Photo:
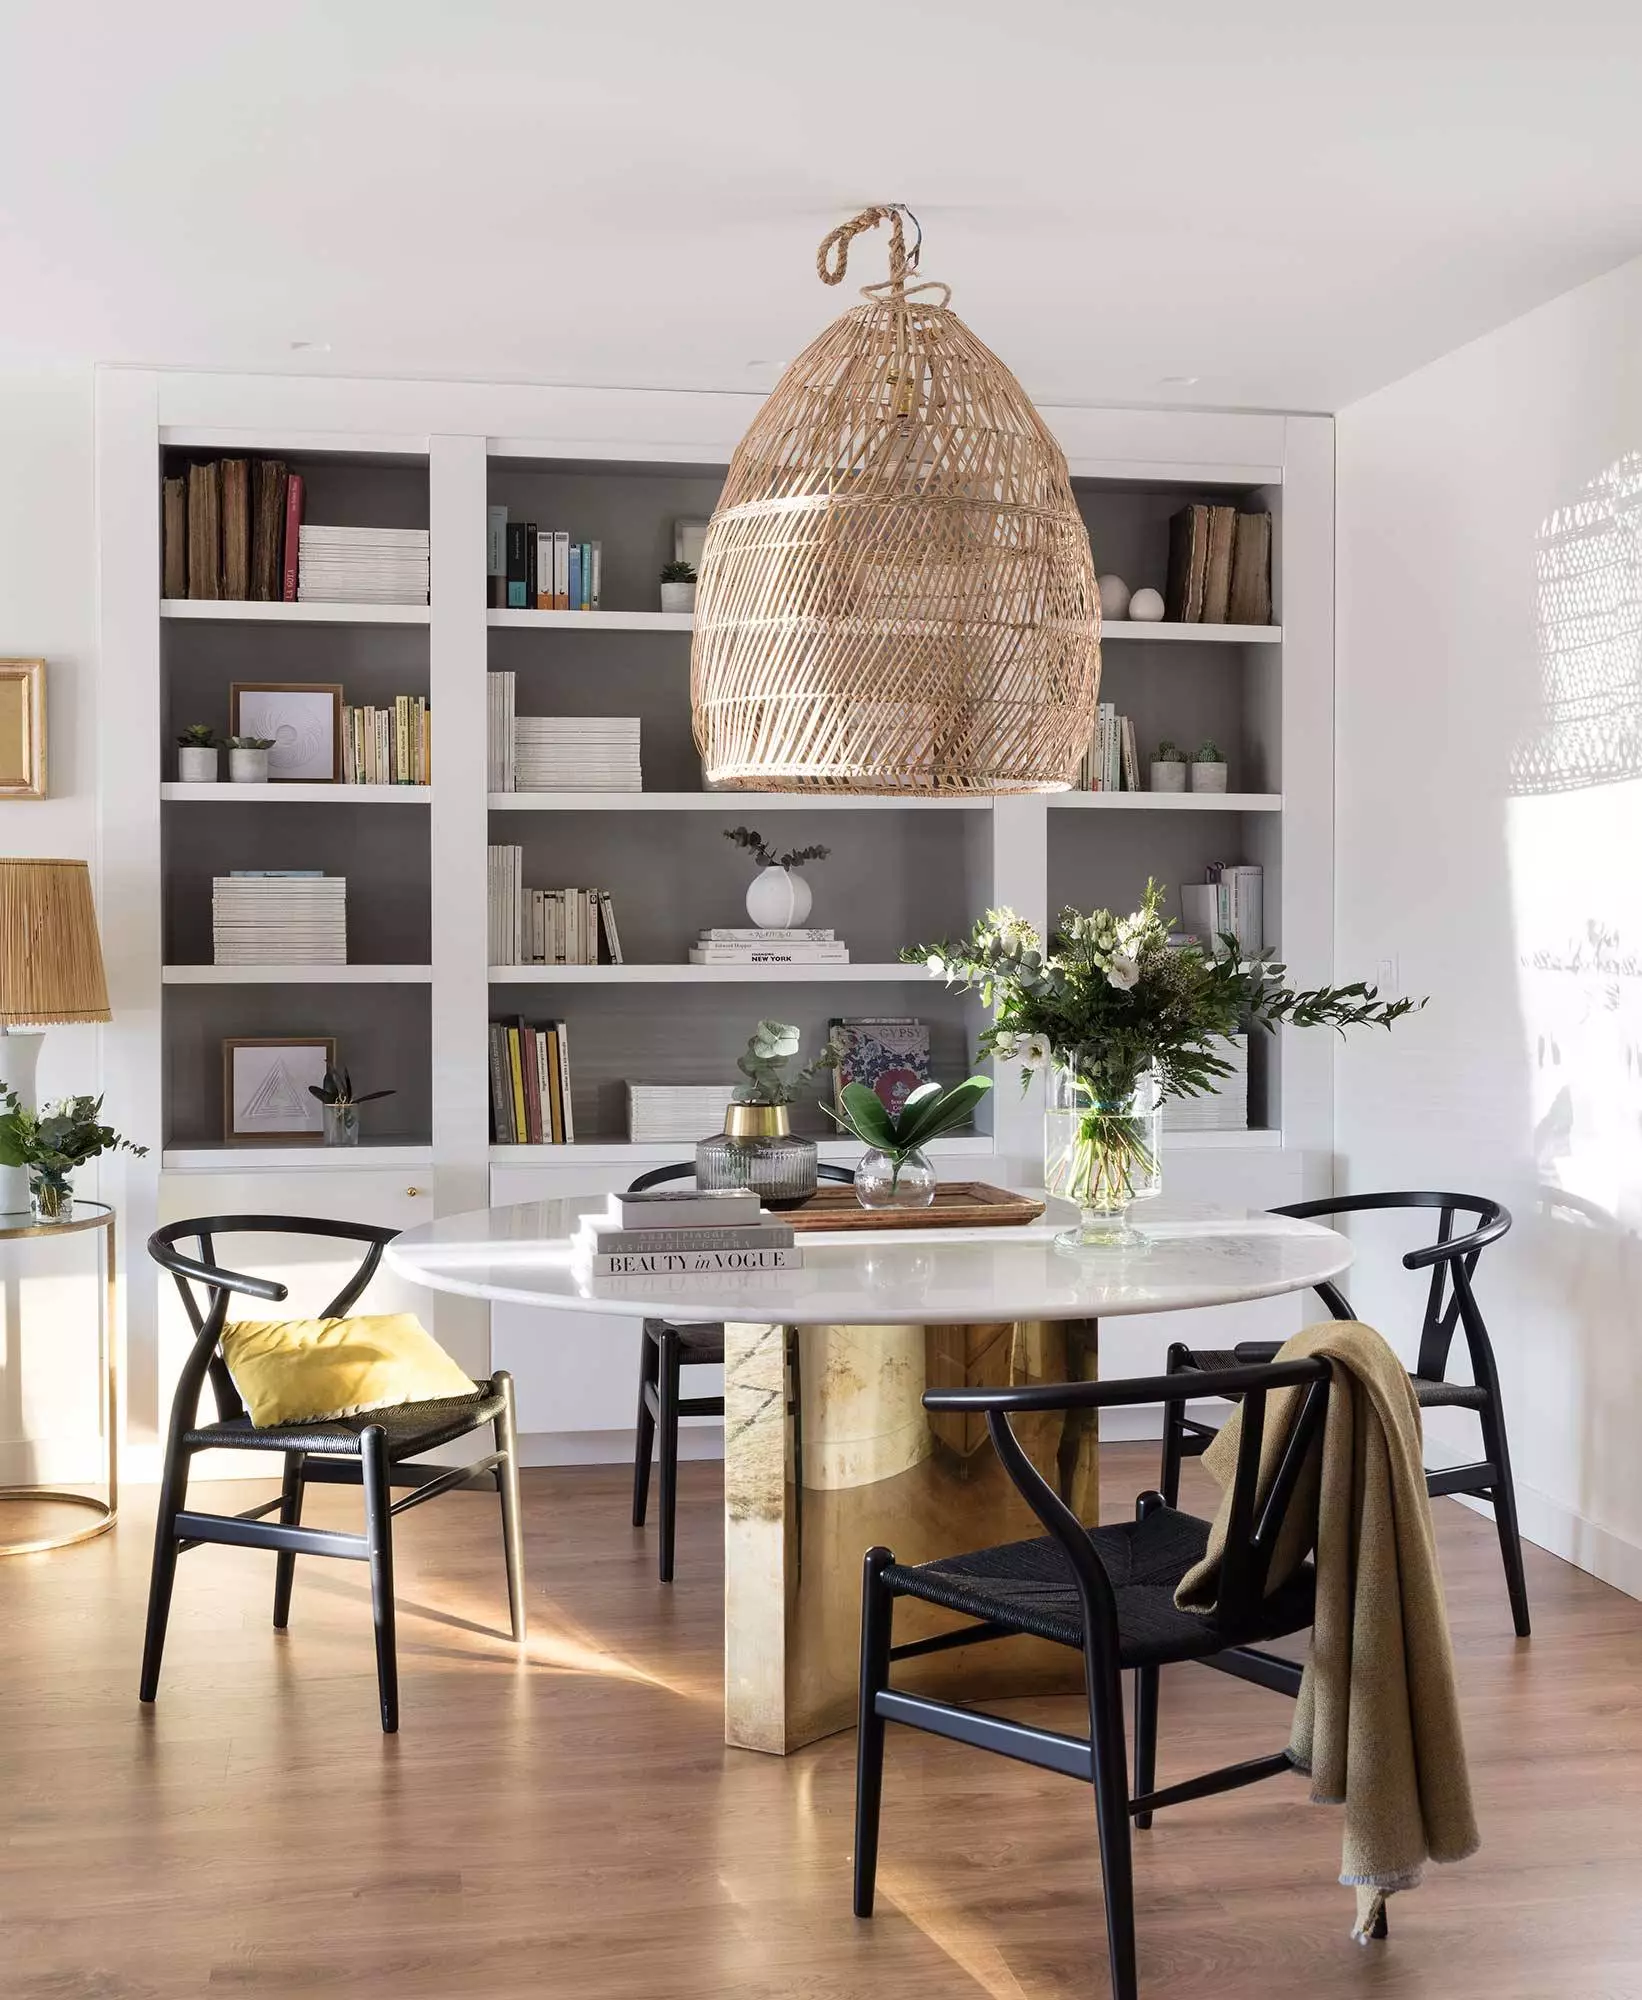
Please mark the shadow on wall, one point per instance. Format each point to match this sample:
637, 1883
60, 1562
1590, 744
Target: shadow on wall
1574, 831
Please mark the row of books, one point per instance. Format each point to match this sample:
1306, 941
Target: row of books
530, 1084
1111, 763
388, 746
272, 916
684, 1232
540, 569
229, 529
556, 753
1219, 567
362, 565
768, 947
545, 926
1231, 903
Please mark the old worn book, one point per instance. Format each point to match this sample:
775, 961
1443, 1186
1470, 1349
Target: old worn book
204, 533
234, 500
1188, 565
267, 528
1217, 578
1251, 571
174, 537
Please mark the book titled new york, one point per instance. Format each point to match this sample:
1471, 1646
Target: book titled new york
691, 1263
769, 954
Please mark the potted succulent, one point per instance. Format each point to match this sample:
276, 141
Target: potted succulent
678, 587
778, 897
1168, 771
341, 1106
248, 759
197, 754
757, 1147
1208, 767
894, 1172
50, 1143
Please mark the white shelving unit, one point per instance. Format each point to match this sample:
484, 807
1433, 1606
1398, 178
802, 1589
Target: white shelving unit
1191, 635
228, 611
742, 803
296, 975
1172, 802
297, 795
593, 621
668, 974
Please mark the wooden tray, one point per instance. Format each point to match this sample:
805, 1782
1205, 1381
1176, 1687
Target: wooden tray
957, 1205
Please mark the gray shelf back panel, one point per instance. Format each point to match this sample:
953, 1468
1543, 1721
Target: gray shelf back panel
1189, 693
382, 850
693, 1034
346, 490
630, 510
646, 674
1129, 523
384, 1036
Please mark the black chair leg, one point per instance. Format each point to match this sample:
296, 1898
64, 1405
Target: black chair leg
163, 1574
1146, 1691
667, 1368
373, 1447
1174, 1415
649, 1354
506, 1431
1505, 1517
795, 1376
290, 1516
877, 1616
1112, 1816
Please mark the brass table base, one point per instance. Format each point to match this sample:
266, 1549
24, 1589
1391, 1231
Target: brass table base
107, 1512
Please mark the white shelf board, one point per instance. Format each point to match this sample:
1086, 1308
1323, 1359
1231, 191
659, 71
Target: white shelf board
700, 975
305, 1158
591, 1152
1191, 635
297, 975
300, 795
726, 802
235, 611
1237, 802
594, 621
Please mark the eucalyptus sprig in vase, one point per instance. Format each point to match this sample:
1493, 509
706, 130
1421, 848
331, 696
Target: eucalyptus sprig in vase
758, 1147
51, 1142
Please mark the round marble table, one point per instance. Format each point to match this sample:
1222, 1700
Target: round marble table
827, 1446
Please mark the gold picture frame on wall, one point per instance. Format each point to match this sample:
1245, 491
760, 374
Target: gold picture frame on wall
22, 729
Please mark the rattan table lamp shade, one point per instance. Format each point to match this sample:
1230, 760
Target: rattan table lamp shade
51, 963
896, 592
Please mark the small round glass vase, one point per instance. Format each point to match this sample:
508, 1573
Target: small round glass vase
883, 1182
51, 1198
758, 1150
1101, 1152
341, 1124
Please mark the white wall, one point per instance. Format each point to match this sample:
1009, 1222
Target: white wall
1489, 840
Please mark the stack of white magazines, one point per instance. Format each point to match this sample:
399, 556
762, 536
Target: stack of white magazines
768, 947
668, 1232
279, 919
362, 565
1226, 1107
576, 753
668, 1113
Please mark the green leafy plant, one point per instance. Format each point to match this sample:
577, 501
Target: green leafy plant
678, 572
774, 1045
928, 1111
1207, 752
198, 736
54, 1140
337, 1088
1169, 753
250, 743
759, 848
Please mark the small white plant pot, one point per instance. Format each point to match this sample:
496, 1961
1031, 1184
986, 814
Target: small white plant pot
196, 766
248, 767
778, 900
678, 597
1207, 777
1168, 777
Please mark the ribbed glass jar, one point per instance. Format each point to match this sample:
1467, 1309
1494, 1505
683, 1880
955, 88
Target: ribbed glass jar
757, 1150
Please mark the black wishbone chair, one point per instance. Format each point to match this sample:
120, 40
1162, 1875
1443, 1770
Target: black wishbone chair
1450, 1307
363, 1451
664, 1350
1108, 1592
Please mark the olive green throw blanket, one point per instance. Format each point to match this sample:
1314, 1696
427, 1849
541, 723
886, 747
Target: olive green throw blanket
1377, 1723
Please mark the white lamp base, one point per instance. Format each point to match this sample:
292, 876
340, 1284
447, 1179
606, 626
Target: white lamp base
19, 1057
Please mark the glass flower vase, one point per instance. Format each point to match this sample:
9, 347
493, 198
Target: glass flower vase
1102, 1152
882, 1181
758, 1149
51, 1196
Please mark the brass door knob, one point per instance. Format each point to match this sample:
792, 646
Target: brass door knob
415, 1190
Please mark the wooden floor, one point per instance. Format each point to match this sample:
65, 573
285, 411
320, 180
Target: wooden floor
568, 1822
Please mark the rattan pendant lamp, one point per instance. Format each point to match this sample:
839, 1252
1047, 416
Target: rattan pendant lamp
896, 593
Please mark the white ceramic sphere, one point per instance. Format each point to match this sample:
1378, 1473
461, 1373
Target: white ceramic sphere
778, 899
1147, 606
1114, 597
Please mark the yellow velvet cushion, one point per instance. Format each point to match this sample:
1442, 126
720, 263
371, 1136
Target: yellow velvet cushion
292, 1371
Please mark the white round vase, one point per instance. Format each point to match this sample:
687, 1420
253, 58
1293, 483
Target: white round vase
778, 900
1146, 606
1114, 597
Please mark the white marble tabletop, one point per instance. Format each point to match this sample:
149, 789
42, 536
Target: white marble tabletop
1190, 1256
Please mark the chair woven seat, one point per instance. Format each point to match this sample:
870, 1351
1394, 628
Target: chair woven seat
1029, 1587
411, 1427
1448, 1395
699, 1346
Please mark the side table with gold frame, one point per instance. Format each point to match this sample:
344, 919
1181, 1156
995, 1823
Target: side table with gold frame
87, 1215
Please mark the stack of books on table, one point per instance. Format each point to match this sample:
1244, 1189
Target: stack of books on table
675, 1113
576, 753
1226, 1107
362, 565
770, 947
682, 1232
279, 917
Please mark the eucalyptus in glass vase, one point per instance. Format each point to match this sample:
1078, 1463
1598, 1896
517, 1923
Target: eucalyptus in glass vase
1125, 1020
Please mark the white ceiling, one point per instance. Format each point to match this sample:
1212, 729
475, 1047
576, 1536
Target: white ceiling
1293, 203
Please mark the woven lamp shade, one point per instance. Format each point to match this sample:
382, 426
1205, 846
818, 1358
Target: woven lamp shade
51, 964
896, 592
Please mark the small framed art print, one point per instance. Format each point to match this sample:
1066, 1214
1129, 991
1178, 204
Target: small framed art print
22, 729
265, 1089
303, 722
